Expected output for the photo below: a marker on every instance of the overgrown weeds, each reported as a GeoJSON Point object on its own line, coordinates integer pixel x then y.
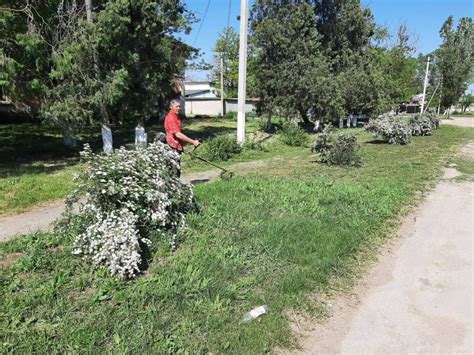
{"type": "Point", "coordinates": [293, 135]}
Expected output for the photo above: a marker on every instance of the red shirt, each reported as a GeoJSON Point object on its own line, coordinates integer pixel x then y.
{"type": "Point", "coordinates": [173, 126]}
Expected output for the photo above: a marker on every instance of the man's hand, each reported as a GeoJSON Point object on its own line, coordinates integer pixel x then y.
{"type": "Point", "coordinates": [196, 143]}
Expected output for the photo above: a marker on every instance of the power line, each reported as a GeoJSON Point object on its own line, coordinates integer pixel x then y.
{"type": "Point", "coordinates": [202, 21]}
{"type": "Point", "coordinates": [228, 12]}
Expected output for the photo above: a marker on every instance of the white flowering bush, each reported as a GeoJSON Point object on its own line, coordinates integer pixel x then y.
{"type": "Point", "coordinates": [421, 126]}
{"type": "Point", "coordinates": [424, 124]}
{"type": "Point", "coordinates": [393, 130]}
{"type": "Point", "coordinates": [130, 196]}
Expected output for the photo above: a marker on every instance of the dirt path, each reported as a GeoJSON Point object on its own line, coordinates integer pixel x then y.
{"type": "Point", "coordinates": [40, 218]}
{"type": "Point", "coordinates": [419, 296]}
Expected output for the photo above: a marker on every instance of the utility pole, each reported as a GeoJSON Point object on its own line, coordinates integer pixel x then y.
{"type": "Point", "coordinates": [222, 84]}
{"type": "Point", "coordinates": [425, 85]}
{"type": "Point", "coordinates": [242, 73]}
{"type": "Point", "coordinates": [89, 10]}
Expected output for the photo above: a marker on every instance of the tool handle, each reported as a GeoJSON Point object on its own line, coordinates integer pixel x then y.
{"type": "Point", "coordinates": [206, 161]}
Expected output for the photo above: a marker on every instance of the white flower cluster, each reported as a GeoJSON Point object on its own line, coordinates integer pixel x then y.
{"type": "Point", "coordinates": [131, 195]}
{"type": "Point", "coordinates": [423, 124]}
{"type": "Point", "coordinates": [114, 242]}
{"type": "Point", "coordinates": [394, 130]}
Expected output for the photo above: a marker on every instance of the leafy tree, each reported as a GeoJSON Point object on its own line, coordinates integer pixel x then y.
{"type": "Point", "coordinates": [401, 68]}
{"type": "Point", "coordinates": [29, 33]}
{"type": "Point", "coordinates": [110, 71]}
{"type": "Point", "coordinates": [118, 67]}
{"type": "Point", "coordinates": [293, 75]}
{"type": "Point", "coordinates": [455, 59]}
{"type": "Point", "coordinates": [345, 26]}
{"type": "Point", "coordinates": [227, 47]}
{"type": "Point", "coordinates": [364, 83]}
{"type": "Point", "coordinates": [322, 57]}
{"type": "Point", "coordinates": [466, 101]}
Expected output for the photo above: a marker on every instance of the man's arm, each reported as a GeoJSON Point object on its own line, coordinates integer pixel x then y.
{"type": "Point", "coordinates": [181, 136]}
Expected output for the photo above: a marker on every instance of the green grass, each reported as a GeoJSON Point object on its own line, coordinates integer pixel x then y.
{"type": "Point", "coordinates": [36, 167]}
{"type": "Point", "coordinates": [463, 114]}
{"type": "Point", "coordinates": [465, 165]}
{"type": "Point", "coordinates": [272, 237]}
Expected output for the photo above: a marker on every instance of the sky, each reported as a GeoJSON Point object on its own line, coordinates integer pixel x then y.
{"type": "Point", "coordinates": [423, 19]}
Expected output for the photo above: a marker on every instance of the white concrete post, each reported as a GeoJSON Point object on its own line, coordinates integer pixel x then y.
{"type": "Point", "coordinates": [222, 84]}
{"type": "Point", "coordinates": [425, 85]}
{"type": "Point", "coordinates": [242, 73]}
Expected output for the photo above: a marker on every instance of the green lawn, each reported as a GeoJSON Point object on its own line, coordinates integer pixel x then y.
{"type": "Point", "coordinates": [279, 236]}
{"type": "Point", "coordinates": [463, 114]}
{"type": "Point", "coordinates": [36, 167]}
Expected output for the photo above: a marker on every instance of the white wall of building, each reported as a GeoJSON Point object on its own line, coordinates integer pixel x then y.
{"type": "Point", "coordinates": [231, 105]}
{"type": "Point", "coordinates": [197, 85]}
{"type": "Point", "coordinates": [213, 107]}
{"type": "Point", "coordinates": [202, 95]}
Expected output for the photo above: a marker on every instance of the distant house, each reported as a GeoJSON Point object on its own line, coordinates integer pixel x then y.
{"type": "Point", "coordinates": [414, 106]}
{"type": "Point", "coordinates": [201, 99]}
{"type": "Point", "coordinates": [200, 90]}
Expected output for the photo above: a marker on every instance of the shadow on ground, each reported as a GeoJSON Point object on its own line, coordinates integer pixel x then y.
{"type": "Point", "coordinates": [31, 148]}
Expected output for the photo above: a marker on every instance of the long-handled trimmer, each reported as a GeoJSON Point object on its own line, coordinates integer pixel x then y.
{"type": "Point", "coordinates": [224, 175]}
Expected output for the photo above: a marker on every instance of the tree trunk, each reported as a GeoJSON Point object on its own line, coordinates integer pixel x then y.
{"type": "Point", "coordinates": [304, 114]}
{"type": "Point", "coordinates": [68, 137]}
{"type": "Point", "coordinates": [317, 126]}
{"type": "Point", "coordinates": [106, 131]}
{"type": "Point", "coordinates": [140, 135]}
{"type": "Point", "coordinates": [268, 125]}
{"type": "Point", "coordinates": [89, 10]}
{"type": "Point", "coordinates": [107, 140]}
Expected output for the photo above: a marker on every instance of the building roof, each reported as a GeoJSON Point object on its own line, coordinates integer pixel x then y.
{"type": "Point", "coordinates": [192, 92]}
{"type": "Point", "coordinates": [198, 82]}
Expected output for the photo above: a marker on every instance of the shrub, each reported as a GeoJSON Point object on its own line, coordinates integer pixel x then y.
{"type": "Point", "coordinates": [435, 121]}
{"type": "Point", "coordinates": [222, 147]}
{"type": "Point", "coordinates": [337, 148]}
{"type": "Point", "coordinates": [131, 195]}
{"type": "Point", "coordinates": [421, 125]}
{"type": "Point", "coordinates": [293, 136]}
{"type": "Point", "coordinates": [251, 144]}
{"type": "Point", "coordinates": [231, 115]}
{"type": "Point", "coordinates": [394, 130]}
{"type": "Point", "coordinates": [268, 126]}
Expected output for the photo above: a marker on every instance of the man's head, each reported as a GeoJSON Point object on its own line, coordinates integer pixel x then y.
{"type": "Point", "coordinates": [175, 106]}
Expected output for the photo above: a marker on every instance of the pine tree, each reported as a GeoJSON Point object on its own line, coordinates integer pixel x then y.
{"type": "Point", "coordinates": [292, 75]}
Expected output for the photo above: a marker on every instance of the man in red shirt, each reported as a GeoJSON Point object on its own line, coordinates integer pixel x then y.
{"type": "Point", "coordinates": [174, 137]}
